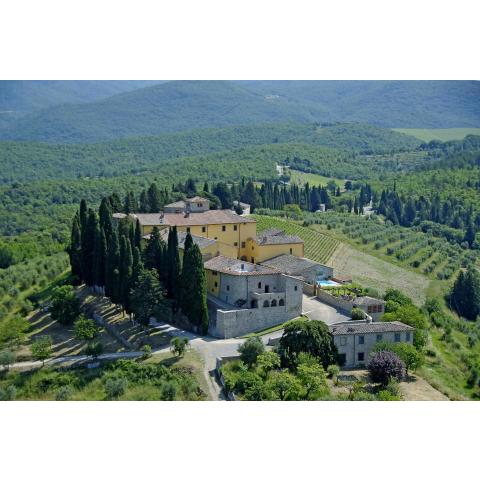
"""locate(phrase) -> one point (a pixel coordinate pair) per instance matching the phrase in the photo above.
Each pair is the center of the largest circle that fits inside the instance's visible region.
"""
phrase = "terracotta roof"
(290, 264)
(351, 328)
(277, 239)
(365, 300)
(209, 217)
(232, 266)
(202, 242)
(179, 204)
(197, 199)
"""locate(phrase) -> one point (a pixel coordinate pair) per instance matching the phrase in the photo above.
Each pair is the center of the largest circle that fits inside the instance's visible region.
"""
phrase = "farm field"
(422, 253)
(442, 134)
(318, 247)
(372, 272)
(301, 178)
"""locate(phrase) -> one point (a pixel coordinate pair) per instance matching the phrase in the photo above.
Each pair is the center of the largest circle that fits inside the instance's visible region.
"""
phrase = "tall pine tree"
(88, 248)
(100, 258)
(75, 247)
(112, 265)
(125, 271)
(173, 264)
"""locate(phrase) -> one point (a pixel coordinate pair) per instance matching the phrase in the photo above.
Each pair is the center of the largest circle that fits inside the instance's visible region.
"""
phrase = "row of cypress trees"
(111, 258)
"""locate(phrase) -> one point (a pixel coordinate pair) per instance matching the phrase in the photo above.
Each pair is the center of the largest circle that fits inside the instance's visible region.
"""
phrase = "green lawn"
(442, 134)
(300, 178)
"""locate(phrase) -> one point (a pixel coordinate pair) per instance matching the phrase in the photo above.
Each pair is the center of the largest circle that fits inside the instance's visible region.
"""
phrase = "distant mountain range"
(167, 107)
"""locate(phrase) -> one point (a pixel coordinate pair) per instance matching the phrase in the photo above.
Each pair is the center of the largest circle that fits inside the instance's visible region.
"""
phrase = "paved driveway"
(317, 310)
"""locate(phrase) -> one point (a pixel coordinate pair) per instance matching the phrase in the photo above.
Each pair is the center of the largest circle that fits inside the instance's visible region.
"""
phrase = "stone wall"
(336, 302)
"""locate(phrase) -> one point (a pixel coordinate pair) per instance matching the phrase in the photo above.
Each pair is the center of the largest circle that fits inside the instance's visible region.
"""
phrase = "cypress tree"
(138, 235)
(154, 199)
(88, 248)
(75, 247)
(152, 255)
(194, 289)
(125, 271)
(115, 203)
(205, 187)
(83, 215)
(113, 257)
(105, 217)
(173, 264)
(143, 207)
(100, 257)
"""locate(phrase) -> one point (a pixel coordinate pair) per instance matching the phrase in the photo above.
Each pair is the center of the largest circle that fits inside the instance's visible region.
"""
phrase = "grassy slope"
(442, 134)
(300, 178)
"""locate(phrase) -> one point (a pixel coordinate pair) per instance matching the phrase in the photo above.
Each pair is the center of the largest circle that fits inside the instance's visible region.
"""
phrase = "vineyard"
(431, 256)
(318, 247)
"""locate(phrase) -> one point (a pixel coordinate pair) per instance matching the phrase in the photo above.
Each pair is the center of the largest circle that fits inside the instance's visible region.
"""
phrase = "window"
(243, 244)
(228, 288)
(253, 304)
(224, 228)
(281, 302)
(379, 337)
(199, 205)
(361, 340)
(215, 273)
(369, 309)
(266, 304)
(216, 284)
(259, 284)
(235, 228)
(380, 308)
(188, 229)
(343, 341)
(216, 238)
(407, 336)
(235, 244)
(252, 260)
(342, 359)
(295, 287)
(267, 288)
(243, 258)
(253, 248)
(361, 356)
(274, 303)
(204, 229)
(397, 337)
(291, 251)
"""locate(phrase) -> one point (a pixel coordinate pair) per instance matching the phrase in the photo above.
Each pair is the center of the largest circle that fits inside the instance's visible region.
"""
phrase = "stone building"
(244, 297)
(308, 270)
(355, 340)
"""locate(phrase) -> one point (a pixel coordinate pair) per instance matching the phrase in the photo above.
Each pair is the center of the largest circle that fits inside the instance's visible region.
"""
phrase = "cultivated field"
(318, 247)
(301, 178)
(442, 134)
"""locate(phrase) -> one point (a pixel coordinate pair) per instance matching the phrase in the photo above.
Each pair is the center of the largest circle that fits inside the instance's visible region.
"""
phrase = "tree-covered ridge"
(28, 160)
(182, 105)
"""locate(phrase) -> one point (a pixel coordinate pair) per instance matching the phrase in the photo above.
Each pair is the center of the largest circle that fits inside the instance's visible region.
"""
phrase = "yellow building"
(232, 235)
(223, 225)
(272, 243)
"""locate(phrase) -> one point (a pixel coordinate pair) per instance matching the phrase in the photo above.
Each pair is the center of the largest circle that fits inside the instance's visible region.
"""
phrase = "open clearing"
(442, 134)
(300, 178)
(373, 272)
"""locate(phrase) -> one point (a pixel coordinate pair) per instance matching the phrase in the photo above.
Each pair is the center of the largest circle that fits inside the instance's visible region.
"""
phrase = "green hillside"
(23, 161)
(185, 105)
(442, 134)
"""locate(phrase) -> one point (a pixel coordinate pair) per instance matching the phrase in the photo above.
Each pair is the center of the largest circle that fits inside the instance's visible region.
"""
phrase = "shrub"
(63, 393)
(146, 352)
(7, 357)
(42, 348)
(85, 329)
(12, 330)
(358, 314)
(9, 393)
(178, 345)
(168, 391)
(94, 348)
(115, 387)
(65, 306)
(410, 356)
(333, 371)
(385, 366)
(250, 350)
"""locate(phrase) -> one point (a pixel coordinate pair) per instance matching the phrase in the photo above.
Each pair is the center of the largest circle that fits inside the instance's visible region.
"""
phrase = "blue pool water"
(327, 283)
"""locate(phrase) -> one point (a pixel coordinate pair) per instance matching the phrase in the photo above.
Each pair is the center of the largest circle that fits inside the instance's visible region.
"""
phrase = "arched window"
(266, 304)
(254, 304)
(274, 303)
(281, 302)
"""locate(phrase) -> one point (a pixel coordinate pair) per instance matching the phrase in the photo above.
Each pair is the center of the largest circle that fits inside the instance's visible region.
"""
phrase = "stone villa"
(355, 340)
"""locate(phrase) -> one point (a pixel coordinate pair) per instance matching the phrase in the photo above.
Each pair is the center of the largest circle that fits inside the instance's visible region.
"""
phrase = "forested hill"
(25, 161)
(181, 105)
(419, 104)
(19, 97)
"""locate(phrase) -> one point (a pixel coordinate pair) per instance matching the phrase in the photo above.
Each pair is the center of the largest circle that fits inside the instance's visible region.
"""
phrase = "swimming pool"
(327, 283)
